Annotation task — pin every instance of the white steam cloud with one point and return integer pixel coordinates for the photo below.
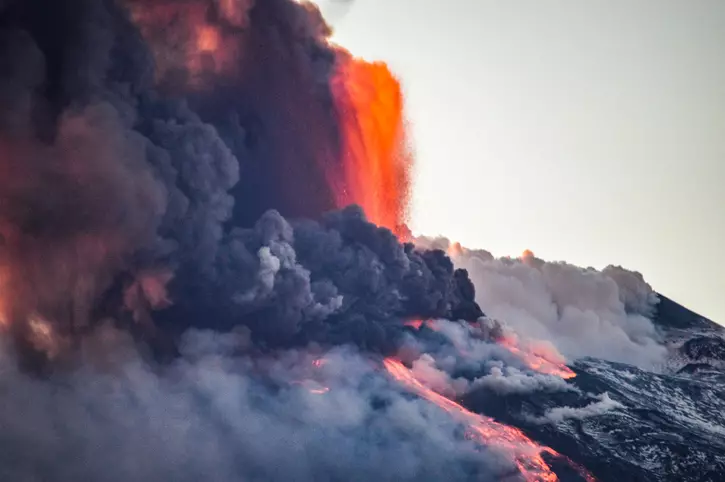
(601, 406)
(582, 311)
(510, 380)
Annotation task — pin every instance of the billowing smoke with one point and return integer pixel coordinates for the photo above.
(136, 168)
(219, 413)
(582, 311)
(189, 289)
(168, 314)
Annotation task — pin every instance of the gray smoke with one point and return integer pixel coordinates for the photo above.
(217, 413)
(166, 320)
(511, 380)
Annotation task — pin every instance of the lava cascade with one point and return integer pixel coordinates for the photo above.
(375, 160)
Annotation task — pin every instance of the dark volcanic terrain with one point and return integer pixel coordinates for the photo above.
(624, 423)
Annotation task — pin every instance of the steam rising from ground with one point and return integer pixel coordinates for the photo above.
(583, 312)
(603, 404)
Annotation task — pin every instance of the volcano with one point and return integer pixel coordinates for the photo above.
(666, 425)
(205, 274)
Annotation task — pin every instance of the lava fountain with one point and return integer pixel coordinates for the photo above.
(375, 160)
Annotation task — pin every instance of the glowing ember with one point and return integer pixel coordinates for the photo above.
(414, 324)
(319, 362)
(375, 157)
(208, 39)
(538, 360)
(486, 430)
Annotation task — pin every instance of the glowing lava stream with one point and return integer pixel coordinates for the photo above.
(538, 362)
(487, 431)
(533, 360)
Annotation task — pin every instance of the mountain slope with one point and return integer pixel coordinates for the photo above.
(624, 423)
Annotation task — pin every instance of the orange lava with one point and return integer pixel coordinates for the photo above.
(376, 161)
(539, 362)
(487, 431)
(484, 429)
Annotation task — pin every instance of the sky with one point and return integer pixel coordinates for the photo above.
(591, 132)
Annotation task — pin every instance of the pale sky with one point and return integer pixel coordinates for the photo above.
(589, 131)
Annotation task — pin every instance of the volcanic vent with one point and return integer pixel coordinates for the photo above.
(179, 296)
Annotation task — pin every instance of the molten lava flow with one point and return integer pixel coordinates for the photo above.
(538, 361)
(483, 429)
(375, 160)
(487, 431)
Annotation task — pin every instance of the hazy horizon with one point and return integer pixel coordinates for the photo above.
(586, 132)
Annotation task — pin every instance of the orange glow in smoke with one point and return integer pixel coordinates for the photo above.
(487, 431)
(538, 360)
(414, 324)
(183, 36)
(320, 391)
(207, 39)
(3, 308)
(375, 156)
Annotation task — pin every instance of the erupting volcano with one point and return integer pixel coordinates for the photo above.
(205, 269)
